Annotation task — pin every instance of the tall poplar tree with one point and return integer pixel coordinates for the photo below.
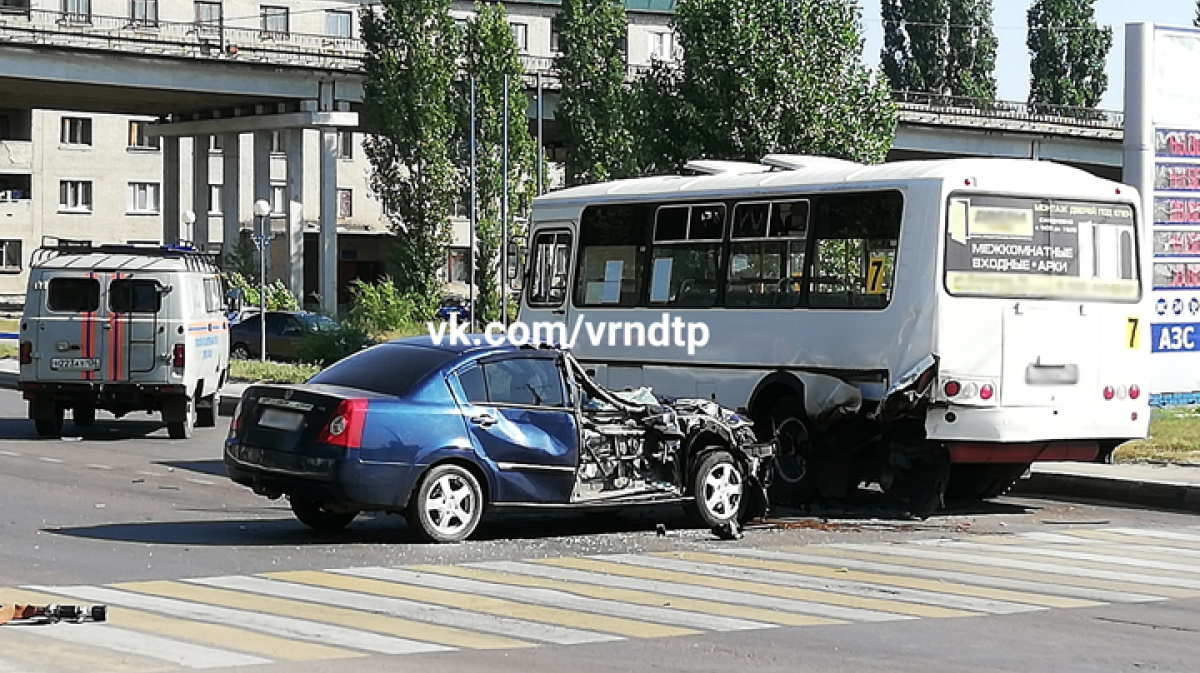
(491, 53)
(594, 108)
(1067, 54)
(941, 47)
(408, 103)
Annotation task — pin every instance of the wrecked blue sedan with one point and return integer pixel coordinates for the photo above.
(442, 433)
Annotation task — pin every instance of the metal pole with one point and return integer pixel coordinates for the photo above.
(473, 215)
(504, 213)
(541, 158)
(262, 289)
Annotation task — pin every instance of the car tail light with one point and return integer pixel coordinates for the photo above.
(177, 360)
(1134, 392)
(951, 388)
(26, 352)
(346, 426)
(1109, 393)
(237, 418)
(987, 391)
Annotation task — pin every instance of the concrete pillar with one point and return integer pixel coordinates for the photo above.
(294, 273)
(231, 156)
(199, 233)
(329, 242)
(170, 188)
(262, 179)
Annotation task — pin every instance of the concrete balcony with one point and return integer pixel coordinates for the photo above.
(16, 156)
(16, 217)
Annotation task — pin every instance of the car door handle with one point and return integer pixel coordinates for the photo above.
(483, 420)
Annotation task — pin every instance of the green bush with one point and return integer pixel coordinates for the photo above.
(271, 372)
(328, 346)
(279, 298)
(380, 308)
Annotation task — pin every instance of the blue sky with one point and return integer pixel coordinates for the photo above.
(1012, 57)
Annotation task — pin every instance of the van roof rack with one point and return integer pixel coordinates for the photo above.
(54, 246)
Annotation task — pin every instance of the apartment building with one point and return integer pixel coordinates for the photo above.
(100, 176)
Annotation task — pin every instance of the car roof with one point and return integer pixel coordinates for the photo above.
(478, 345)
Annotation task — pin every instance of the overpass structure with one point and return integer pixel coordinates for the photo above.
(216, 81)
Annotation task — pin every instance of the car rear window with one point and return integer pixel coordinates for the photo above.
(390, 369)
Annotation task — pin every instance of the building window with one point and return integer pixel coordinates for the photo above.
(139, 139)
(274, 22)
(143, 198)
(15, 7)
(10, 255)
(76, 131)
(143, 12)
(662, 46)
(77, 11)
(555, 31)
(215, 194)
(208, 17)
(338, 25)
(345, 204)
(216, 143)
(520, 33)
(278, 200)
(346, 145)
(75, 196)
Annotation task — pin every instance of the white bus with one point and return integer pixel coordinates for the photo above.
(933, 326)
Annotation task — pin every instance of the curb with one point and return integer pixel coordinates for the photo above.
(1157, 494)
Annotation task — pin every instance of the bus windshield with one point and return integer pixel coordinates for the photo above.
(1038, 248)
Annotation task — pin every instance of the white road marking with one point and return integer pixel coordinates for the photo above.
(1164, 534)
(152, 474)
(287, 627)
(562, 599)
(943, 554)
(46, 459)
(94, 466)
(1107, 559)
(1048, 588)
(146, 645)
(9, 453)
(202, 482)
(1102, 545)
(399, 607)
(861, 589)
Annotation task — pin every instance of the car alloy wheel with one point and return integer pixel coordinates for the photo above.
(718, 486)
(448, 504)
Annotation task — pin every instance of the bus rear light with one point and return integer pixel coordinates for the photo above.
(951, 388)
(1109, 393)
(970, 390)
(987, 391)
(1121, 392)
(1134, 393)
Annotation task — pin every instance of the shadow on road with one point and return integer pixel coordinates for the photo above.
(102, 430)
(215, 468)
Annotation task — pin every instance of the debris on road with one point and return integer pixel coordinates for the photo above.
(53, 613)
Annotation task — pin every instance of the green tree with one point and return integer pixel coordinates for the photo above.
(594, 109)
(1067, 53)
(409, 105)
(1196, 21)
(491, 53)
(942, 47)
(762, 76)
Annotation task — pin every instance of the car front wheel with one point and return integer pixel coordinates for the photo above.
(719, 487)
(447, 504)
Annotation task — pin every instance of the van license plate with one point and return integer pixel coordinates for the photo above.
(76, 364)
(281, 420)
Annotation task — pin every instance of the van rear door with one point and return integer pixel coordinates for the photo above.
(71, 341)
(134, 305)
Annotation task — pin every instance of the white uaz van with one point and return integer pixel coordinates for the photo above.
(123, 328)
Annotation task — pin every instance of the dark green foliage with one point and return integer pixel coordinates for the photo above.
(1067, 54)
(595, 107)
(408, 104)
(328, 346)
(941, 47)
(491, 54)
(762, 76)
(379, 308)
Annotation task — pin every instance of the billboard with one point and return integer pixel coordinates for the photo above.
(1162, 159)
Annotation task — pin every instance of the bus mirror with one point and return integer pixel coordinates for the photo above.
(515, 261)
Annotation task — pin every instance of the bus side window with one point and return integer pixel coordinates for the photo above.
(551, 257)
(687, 254)
(612, 251)
(766, 254)
(854, 260)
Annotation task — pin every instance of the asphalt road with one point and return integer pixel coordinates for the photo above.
(119, 513)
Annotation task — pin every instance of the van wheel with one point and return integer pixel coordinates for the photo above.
(206, 412)
(240, 351)
(318, 515)
(83, 414)
(719, 489)
(182, 428)
(50, 427)
(446, 505)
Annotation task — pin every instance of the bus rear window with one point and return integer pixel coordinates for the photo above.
(998, 246)
(73, 295)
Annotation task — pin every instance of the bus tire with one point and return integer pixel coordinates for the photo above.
(795, 480)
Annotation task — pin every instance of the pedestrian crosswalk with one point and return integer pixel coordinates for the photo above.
(242, 621)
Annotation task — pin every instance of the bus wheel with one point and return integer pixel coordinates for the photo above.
(795, 479)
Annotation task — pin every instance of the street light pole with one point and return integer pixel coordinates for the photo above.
(262, 238)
